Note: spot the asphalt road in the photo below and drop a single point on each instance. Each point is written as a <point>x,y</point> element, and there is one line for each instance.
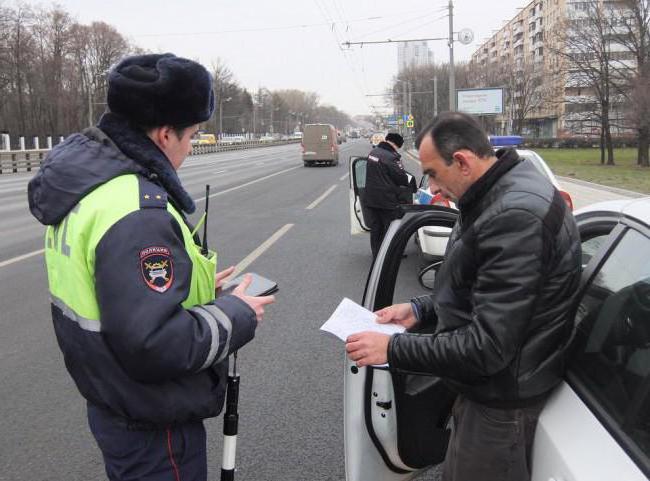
<point>291,386</point>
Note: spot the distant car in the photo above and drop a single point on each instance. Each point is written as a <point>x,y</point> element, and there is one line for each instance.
<point>232,139</point>
<point>320,145</point>
<point>267,138</point>
<point>203,139</point>
<point>296,136</point>
<point>376,138</point>
<point>595,425</point>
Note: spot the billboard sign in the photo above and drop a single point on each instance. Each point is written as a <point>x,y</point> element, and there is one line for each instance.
<point>480,101</point>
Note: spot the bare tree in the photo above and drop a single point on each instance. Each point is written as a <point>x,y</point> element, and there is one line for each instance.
<point>51,31</point>
<point>419,81</point>
<point>630,28</point>
<point>20,46</point>
<point>586,47</point>
<point>95,48</point>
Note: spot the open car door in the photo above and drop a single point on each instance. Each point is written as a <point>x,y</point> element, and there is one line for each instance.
<point>396,424</point>
<point>357,168</point>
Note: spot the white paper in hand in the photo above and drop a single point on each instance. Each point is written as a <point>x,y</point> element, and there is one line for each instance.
<point>350,318</point>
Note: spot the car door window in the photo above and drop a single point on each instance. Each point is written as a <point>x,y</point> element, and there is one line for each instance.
<point>611,361</point>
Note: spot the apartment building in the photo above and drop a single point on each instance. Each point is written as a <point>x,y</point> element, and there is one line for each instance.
<point>547,95</point>
<point>413,54</point>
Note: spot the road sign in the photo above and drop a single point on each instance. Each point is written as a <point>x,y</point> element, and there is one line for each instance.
<point>410,117</point>
<point>409,124</point>
<point>465,36</point>
<point>405,117</point>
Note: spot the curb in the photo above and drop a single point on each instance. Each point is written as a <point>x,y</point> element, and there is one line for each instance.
<point>615,190</point>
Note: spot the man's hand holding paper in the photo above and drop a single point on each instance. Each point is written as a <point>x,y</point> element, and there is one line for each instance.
<point>371,348</point>
<point>367,334</point>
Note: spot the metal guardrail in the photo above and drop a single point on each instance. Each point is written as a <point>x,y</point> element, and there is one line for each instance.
<point>21,160</point>
<point>15,161</point>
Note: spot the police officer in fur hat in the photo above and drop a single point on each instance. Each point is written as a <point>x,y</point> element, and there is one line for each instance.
<point>132,295</point>
<point>387,186</point>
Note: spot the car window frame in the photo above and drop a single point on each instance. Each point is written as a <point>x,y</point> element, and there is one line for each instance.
<point>623,225</point>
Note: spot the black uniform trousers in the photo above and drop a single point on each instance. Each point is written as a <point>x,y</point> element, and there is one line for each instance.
<point>377,220</point>
<point>138,452</point>
<point>490,444</point>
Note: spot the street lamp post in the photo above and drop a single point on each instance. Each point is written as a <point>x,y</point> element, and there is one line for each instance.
<point>221,101</point>
<point>452,75</point>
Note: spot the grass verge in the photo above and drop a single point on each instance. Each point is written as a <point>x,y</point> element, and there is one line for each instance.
<point>584,164</point>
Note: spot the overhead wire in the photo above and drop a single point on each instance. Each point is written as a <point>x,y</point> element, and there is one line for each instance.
<point>270,29</point>
<point>389,28</point>
<point>339,45</point>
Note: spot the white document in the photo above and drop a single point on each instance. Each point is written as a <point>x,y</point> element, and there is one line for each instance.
<point>350,318</point>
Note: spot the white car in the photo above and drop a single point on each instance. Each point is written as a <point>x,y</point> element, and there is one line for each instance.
<point>596,423</point>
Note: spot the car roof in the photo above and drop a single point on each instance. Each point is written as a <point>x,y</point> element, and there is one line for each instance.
<point>539,162</point>
<point>638,209</point>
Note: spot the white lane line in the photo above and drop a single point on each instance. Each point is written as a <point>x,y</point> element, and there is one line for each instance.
<point>413,157</point>
<point>248,183</point>
<point>318,201</point>
<point>20,258</point>
<point>264,246</point>
<point>345,176</point>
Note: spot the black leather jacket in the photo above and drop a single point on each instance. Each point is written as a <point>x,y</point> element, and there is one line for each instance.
<point>387,183</point>
<point>503,298</point>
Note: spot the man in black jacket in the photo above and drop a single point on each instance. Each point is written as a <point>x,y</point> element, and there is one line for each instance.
<point>387,186</point>
<point>502,301</point>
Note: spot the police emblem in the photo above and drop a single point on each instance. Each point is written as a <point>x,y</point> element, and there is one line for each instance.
<point>157,268</point>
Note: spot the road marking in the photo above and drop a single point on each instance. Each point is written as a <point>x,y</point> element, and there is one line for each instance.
<point>248,183</point>
<point>413,157</point>
<point>345,176</point>
<point>20,258</point>
<point>244,263</point>
<point>318,201</point>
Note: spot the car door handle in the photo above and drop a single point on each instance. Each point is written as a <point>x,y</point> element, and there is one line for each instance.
<point>385,404</point>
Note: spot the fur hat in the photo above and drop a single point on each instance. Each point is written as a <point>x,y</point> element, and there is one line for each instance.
<point>395,138</point>
<point>160,89</point>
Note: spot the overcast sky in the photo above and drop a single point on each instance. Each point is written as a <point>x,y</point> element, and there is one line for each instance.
<point>292,43</point>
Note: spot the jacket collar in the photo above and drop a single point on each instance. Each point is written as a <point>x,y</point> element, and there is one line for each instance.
<point>388,147</point>
<point>507,159</point>
<point>141,149</point>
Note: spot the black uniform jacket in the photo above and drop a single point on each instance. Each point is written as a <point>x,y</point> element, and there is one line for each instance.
<point>387,184</point>
<point>503,298</point>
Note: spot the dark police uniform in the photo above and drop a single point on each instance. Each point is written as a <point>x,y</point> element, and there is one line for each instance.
<point>387,186</point>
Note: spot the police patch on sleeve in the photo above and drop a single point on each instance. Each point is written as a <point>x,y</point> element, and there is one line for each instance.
<point>157,268</point>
